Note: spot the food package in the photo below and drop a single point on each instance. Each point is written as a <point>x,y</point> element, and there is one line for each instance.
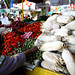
<point>69,12</point>
<point>69,61</point>
<point>73,32</point>
<point>71,25</point>
<point>53,67</point>
<point>71,48</point>
<point>64,19</point>
<point>49,38</point>
<point>53,58</point>
<point>52,46</point>
<point>70,39</point>
<point>60,32</point>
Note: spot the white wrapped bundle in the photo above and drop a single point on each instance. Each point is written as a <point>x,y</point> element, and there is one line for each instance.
<point>56,26</point>
<point>47,26</point>
<point>69,61</point>
<point>70,39</point>
<point>70,13</point>
<point>52,58</point>
<point>71,25</point>
<point>72,48</point>
<point>49,38</point>
<point>45,65</point>
<point>52,18</point>
<point>44,30</point>
<point>73,32</point>
<point>38,43</point>
<point>64,19</point>
<point>52,46</point>
<point>60,32</point>
<point>53,67</point>
<point>50,24</point>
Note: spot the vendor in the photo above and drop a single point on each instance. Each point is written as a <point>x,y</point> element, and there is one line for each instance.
<point>9,64</point>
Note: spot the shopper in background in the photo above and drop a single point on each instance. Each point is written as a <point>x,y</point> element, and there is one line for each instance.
<point>28,16</point>
<point>5,20</point>
<point>11,19</point>
<point>17,18</point>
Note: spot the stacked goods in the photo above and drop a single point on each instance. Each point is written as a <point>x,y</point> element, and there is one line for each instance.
<point>50,24</point>
<point>57,42</point>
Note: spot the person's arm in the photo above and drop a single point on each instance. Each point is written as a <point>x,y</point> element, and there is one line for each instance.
<point>12,63</point>
<point>30,51</point>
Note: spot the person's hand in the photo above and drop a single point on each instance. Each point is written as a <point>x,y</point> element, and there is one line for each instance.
<point>30,51</point>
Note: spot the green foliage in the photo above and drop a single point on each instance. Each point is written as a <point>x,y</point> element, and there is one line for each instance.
<point>29,43</point>
<point>36,56</point>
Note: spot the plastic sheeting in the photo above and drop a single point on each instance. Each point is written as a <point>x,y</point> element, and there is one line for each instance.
<point>58,2</point>
<point>61,2</point>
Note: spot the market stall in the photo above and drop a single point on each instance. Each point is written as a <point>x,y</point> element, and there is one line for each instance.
<point>55,39</point>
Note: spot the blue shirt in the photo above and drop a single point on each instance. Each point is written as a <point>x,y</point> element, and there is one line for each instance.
<point>12,63</point>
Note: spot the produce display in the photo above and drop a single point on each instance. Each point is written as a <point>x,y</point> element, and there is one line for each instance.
<point>55,39</point>
<point>26,45</point>
<point>37,56</point>
<point>33,27</point>
<point>15,44</point>
<point>21,38</point>
<point>57,42</point>
<point>11,40</point>
<point>17,25</point>
<point>69,61</point>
